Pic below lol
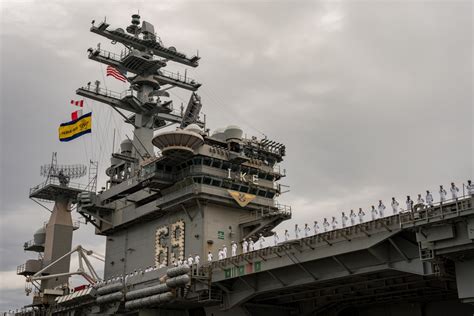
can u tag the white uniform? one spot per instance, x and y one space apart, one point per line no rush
395 206
275 239
224 252
420 200
234 249
326 226
353 218
334 223
220 255
287 236
316 228
307 230
429 199
251 245
442 195
344 219
454 192
209 257
190 261
381 208
373 213
297 232
197 259
361 217
245 246
409 205
470 189
261 240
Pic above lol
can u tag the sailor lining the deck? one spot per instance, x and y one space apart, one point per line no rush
334 223
470 187
381 208
316 227
429 198
454 191
373 213
353 216
245 246
344 219
442 194
325 225
297 231
361 215
307 230
395 205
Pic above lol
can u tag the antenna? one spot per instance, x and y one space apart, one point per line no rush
63 172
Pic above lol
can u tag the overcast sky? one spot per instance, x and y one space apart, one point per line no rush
373 99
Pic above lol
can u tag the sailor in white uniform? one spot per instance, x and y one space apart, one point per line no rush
395 205
276 239
197 259
361 215
381 208
316 227
307 230
251 245
224 252
454 191
261 240
409 203
420 200
220 254
287 235
334 223
233 249
190 260
344 219
326 225
297 231
373 213
442 194
353 217
429 198
470 187
245 246
209 257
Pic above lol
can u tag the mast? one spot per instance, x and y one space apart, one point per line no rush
143 59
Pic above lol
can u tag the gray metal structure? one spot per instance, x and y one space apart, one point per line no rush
205 190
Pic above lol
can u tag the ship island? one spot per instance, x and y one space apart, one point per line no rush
185 212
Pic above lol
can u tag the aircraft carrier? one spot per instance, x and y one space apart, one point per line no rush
187 192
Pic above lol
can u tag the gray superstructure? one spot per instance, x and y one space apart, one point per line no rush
175 193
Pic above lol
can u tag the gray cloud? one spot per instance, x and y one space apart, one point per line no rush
372 99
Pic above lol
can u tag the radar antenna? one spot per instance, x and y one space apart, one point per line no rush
64 173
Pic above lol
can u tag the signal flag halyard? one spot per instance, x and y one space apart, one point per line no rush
75 128
117 74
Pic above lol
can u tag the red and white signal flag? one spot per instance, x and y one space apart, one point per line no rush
78 103
76 114
117 74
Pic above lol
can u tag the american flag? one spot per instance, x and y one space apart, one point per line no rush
114 72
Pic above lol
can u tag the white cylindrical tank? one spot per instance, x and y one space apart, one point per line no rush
193 128
233 133
126 146
39 236
219 134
